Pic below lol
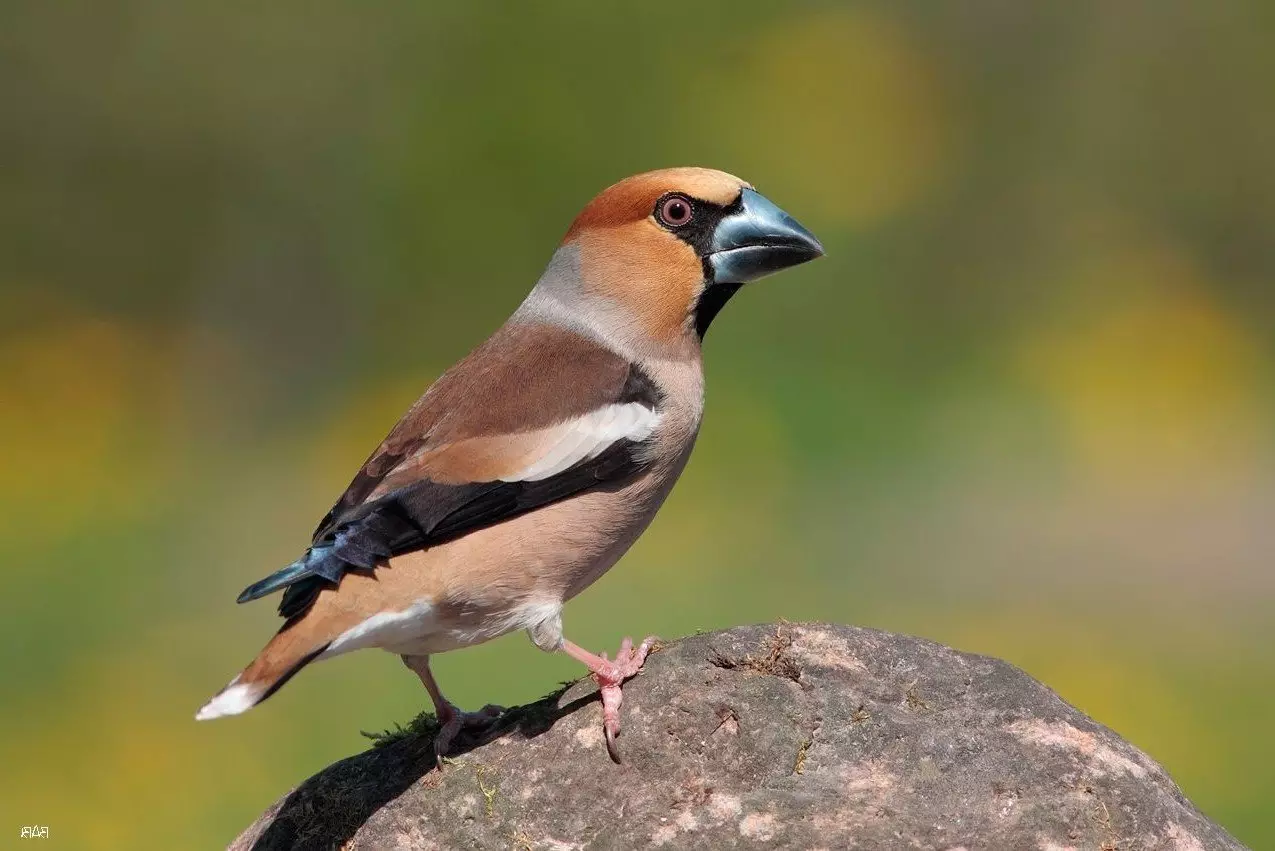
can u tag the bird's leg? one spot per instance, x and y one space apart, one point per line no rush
609 675
451 719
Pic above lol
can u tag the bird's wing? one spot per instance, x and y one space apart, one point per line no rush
533 416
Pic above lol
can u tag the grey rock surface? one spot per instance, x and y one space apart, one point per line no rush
791 736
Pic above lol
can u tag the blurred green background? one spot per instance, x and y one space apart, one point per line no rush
1025 406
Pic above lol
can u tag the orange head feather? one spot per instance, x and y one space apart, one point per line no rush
628 255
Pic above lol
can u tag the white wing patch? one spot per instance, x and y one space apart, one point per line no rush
587 437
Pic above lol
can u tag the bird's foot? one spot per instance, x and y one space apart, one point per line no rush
610 675
454 722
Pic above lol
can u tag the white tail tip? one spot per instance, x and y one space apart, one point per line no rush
236 697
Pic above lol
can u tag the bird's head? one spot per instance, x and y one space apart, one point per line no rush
663 251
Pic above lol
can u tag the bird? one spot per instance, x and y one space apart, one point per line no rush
529 467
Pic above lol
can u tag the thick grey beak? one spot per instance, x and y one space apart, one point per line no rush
758 240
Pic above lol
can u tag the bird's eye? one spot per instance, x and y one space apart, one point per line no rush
674 211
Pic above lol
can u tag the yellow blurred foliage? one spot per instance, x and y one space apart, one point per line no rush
1162 382
851 90
115 736
87 404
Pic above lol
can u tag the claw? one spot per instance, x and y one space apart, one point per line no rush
451 720
610 675
457 722
612 749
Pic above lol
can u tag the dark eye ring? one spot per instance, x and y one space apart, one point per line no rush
675 211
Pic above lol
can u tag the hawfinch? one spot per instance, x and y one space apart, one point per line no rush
533 464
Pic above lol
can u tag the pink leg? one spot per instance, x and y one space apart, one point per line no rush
452 719
609 675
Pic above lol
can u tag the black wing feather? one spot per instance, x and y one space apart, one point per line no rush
427 513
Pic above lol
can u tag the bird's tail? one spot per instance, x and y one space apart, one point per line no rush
319 560
288 652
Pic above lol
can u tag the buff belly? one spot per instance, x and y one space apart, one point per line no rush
515 575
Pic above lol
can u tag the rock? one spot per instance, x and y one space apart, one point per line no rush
789 736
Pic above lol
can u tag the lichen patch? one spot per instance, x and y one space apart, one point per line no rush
1046 844
686 821
1060 735
759 826
724 806
823 649
866 789
663 835
588 738
1183 839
